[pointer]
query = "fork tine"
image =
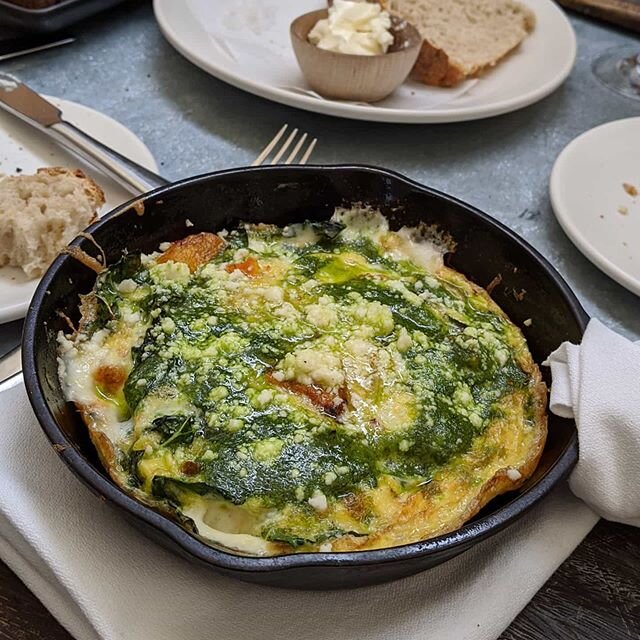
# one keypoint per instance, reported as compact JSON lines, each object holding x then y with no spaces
{"x":285,"y":146}
{"x":269,"y":148}
{"x":296,"y":149}
{"x":291,"y":158}
{"x":309,"y":151}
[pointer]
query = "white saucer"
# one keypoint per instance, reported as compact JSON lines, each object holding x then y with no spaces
{"x":590,"y":201}
{"x":23,"y":148}
{"x":246,"y":43}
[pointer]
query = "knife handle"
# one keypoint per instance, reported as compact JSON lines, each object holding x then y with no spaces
{"x":130,"y":175}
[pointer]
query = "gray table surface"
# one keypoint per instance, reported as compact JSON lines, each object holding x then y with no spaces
{"x":193,"y":123}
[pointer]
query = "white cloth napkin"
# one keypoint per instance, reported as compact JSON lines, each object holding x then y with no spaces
{"x":598,"y":384}
{"x":103,"y":580}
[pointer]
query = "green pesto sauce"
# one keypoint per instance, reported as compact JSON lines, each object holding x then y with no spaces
{"x":218,"y":359}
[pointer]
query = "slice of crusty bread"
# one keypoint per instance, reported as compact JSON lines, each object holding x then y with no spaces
{"x":41,"y":213}
{"x":462,"y":38}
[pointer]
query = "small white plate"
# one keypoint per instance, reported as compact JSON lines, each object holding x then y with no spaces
{"x":24,"y":148}
{"x":246,"y":43}
{"x":591,"y":203}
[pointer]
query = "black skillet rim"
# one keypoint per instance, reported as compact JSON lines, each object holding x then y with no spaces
{"x":468,"y":534}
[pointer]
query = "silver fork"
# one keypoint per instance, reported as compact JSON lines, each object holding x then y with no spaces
{"x":263,"y":158}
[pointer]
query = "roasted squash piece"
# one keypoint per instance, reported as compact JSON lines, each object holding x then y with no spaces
{"x":249,"y":267}
{"x":194,"y":250}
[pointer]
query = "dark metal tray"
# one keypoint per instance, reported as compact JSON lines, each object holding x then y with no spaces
{"x":50,"y":19}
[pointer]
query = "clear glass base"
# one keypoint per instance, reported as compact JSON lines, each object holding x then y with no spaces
{"x":618,"y":69}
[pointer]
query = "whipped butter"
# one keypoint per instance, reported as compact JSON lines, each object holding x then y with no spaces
{"x":357,"y":28}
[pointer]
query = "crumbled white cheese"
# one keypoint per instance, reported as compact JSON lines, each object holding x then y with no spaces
{"x":127,"y":286}
{"x":475,"y":420}
{"x":168,"y":325}
{"x":240,"y":254}
{"x":321,"y":316}
{"x":236,"y":275}
{"x":514,"y":475}
{"x":404,"y":341}
{"x":318,"y":501}
{"x":330,"y":477}
{"x":462,"y":396}
{"x":376,"y":315}
{"x":264,"y":397}
{"x":267,"y":450}
{"x":308,"y":285}
{"x":131,"y":317}
{"x":286,"y":310}
{"x":218,"y":393}
{"x":359,"y":348}
{"x":309,"y":366}
{"x":171,"y":271}
{"x":273,"y":294}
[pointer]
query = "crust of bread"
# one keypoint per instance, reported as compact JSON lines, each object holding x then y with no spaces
{"x":92,"y":189}
{"x":434,"y":67}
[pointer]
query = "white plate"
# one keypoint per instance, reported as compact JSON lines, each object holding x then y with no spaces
{"x":589,"y":199}
{"x":22,"y":147}
{"x":246,"y":43}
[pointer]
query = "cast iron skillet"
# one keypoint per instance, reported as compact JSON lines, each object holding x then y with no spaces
{"x":529,"y":288}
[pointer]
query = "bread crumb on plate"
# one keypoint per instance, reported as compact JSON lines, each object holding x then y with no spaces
{"x":41,"y":213}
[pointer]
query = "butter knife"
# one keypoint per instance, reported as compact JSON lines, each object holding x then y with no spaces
{"x":24,"y":103}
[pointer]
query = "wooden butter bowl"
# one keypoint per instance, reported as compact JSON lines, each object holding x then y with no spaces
{"x":357,"y":78}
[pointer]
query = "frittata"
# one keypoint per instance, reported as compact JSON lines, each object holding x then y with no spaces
{"x":322,"y":387}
